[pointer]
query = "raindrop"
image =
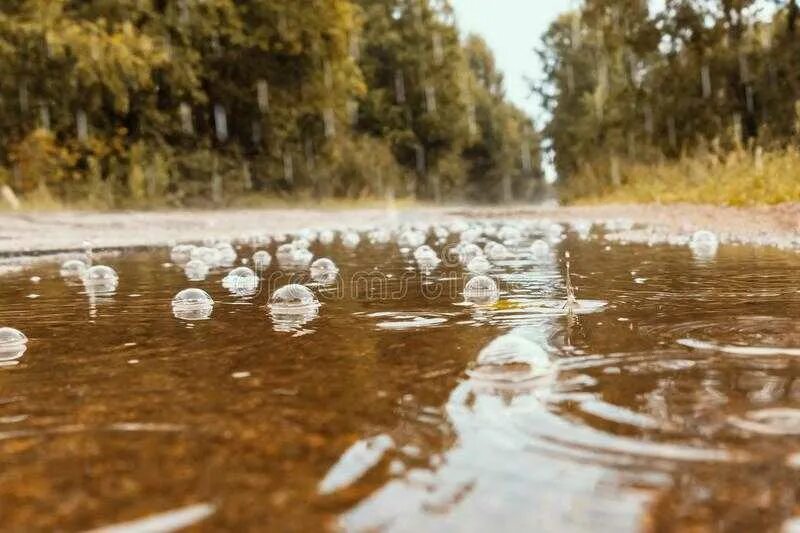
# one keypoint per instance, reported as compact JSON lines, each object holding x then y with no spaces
{"x":221,"y":123}
{"x":192,"y":304}
{"x":187,"y":121}
{"x":262,"y":260}
{"x":13,"y":344}
{"x":262,"y":93}
{"x":73,"y":268}
{"x":481,"y":290}
{"x":82,"y":125}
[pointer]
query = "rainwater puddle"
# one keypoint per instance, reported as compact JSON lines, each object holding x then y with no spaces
{"x":372,"y":395}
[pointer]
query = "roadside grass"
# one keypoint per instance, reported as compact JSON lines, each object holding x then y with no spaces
{"x":740,"y":178}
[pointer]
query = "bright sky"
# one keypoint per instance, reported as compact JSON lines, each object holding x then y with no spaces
{"x":513,"y":29}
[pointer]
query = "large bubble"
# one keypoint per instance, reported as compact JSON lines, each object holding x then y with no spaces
{"x":241,"y":281}
{"x":192,"y":304}
{"x":100,"y":279}
{"x":292,"y":298}
{"x":481,"y":290}
{"x":323,"y":270}
{"x":13,"y":344}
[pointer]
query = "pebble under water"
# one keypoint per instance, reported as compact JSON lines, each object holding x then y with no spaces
{"x":380,"y":396}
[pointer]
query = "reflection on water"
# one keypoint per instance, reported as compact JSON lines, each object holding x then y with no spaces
{"x":663,"y":397}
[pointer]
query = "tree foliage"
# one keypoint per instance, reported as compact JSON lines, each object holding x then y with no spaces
{"x":176,"y":100}
{"x":627,"y":83}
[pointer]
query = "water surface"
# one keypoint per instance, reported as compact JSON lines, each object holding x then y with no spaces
{"x":651,"y":412}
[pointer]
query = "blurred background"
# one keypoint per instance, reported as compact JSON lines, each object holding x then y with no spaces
{"x":184,"y":103}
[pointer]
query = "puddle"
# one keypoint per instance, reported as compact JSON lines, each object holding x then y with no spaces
{"x":661,"y":394}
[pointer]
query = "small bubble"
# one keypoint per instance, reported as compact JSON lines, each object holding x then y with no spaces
{"x":540,"y":250}
{"x":73,"y":268}
{"x":704,"y":244}
{"x":262,"y":260}
{"x":196,"y":270}
{"x":351,"y":239}
{"x":496,"y":251}
{"x":479,"y":265}
{"x":181,"y":253}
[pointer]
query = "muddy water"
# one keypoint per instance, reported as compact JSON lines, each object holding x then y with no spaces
{"x":652,"y":412}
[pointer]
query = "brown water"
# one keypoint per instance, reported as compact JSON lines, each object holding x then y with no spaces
{"x":373,"y":416}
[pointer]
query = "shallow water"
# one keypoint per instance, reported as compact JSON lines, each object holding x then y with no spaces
{"x":672,"y":406}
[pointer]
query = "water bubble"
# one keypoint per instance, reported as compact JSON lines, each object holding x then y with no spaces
{"x":379,"y":236}
{"x":207,"y":255}
{"x":101,"y":279}
{"x":300,"y":257}
{"x":227,"y":254}
{"x":471,"y":235}
{"x":241,"y":281}
{"x":704,"y":244}
{"x":511,"y":357}
{"x":540,"y":250}
{"x":284,"y":252}
{"x":351,"y":239}
{"x":583,"y":228}
{"x":196,"y":270}
{"x":441,"y":232}
{"x":411,"y":239}
{"x":496,"y":251}
{"x":262,"y":260}
{"x":509,"y":235}
{"x":468,"y":252}
{"x":479,"y":265}
{"x":292,"y":298}
{"x":481,"y":290}
{"x":292,"y":306}
{"x":424,"y":253}
{"x":301,"y":243}
{"x":181,"y":253}
{"x":192,"y":304}
{"x":326,"y":237}
{"x":73,"y":268}
{"x":555,"y":232}
{"x":323,"y":270}
{"x":13,"y":344}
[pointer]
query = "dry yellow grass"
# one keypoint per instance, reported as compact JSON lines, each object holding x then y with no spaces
{"x":741,"y":178}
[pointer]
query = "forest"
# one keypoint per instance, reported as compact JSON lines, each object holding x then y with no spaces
{"x":119,"y":103}
{"x":696,"y":100}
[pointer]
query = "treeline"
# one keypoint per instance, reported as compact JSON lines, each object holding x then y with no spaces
{"x":176,"y":101}
{"x":628,"y":86}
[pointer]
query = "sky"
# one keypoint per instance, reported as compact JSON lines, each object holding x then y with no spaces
{"x":513,"y":29}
